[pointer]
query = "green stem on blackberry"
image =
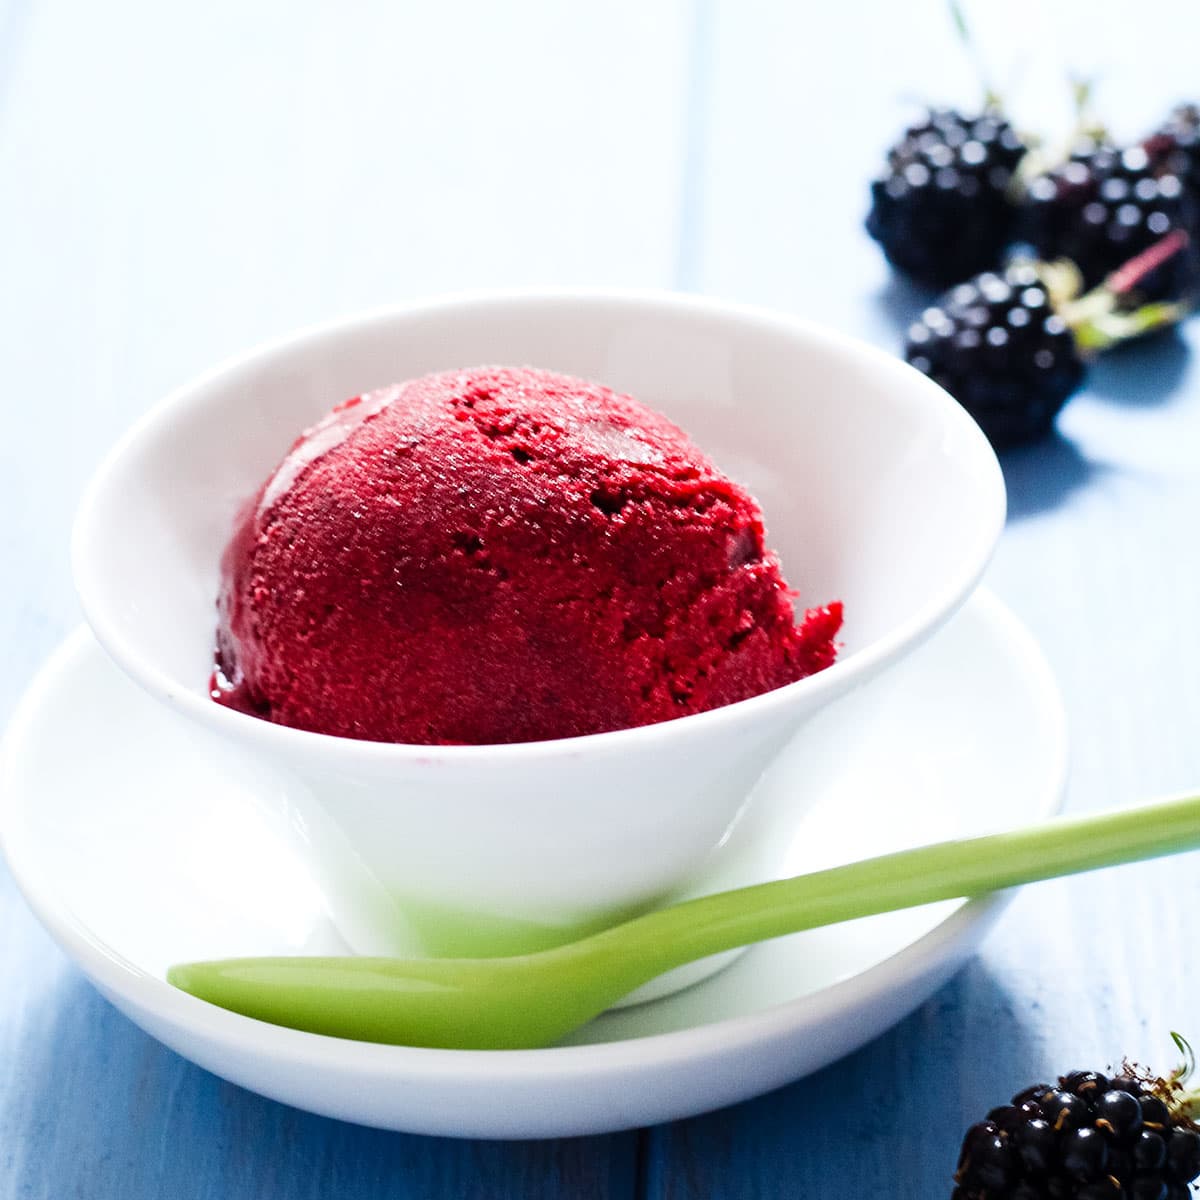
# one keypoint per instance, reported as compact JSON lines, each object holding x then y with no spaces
{"x":1063,"y":282}
{"x":1087,"y":124}
{"x":1182,"y":1103}
{"x":1185,"y":1105}
{"x":1045,"y":156}
{"x":1185,"y":1070}
{"x":958,"y":18}
{"x":1097,"y":318}
{"x":1081,"y":97}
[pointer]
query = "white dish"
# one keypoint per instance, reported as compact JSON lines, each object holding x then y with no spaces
{"x":139,"y":841}
{"x":878,"y":489}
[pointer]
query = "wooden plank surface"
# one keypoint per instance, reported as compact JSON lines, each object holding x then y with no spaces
{"x":175,"y":187}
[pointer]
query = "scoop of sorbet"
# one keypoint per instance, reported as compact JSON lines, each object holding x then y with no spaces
{"x":502,"y":555}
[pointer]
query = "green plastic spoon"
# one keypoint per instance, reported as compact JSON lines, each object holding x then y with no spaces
{"x":532,"y":1000}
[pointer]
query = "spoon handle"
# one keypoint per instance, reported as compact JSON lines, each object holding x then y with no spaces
{"x":944,"y":871}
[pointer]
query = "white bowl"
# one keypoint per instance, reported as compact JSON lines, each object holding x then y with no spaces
{"x":878,"y":490}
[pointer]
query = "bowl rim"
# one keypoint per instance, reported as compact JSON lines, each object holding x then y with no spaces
{"x":297,"y":743}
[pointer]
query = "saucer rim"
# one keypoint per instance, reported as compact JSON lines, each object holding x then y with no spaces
{"x":191,"y":1018}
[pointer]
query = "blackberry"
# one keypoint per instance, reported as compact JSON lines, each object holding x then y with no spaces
{"x":1088,"y":1084}
{"x":1127,"y":1138}
{"x":941,"y":210}
{"x":999,"y":348}
{"x":1010,"y":347}
{"x":1120,"y":1115}
{"x":1175,"y":147}
{"x":1103,"y":207}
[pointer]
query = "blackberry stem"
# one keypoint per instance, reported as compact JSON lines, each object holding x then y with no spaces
{"x":958,"y":18}
{"x":1046,"y":156}
{"x":1187,"y":1068}
{"x":1183,"y":1104}
{"x":1097,"y":319}
{"x":1087,"y":124}
{"x":1125,"y":278}
{"x":1186,"y":1105}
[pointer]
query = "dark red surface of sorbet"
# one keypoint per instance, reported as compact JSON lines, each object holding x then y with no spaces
{"x":502,"y":555}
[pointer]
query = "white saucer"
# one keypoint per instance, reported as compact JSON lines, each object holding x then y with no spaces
{"x":138,"y":843}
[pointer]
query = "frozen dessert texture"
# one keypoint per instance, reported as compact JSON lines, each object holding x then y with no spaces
{"x":502,"y":555}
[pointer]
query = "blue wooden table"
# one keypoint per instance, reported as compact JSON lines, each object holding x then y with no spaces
{"x":177,"y":184}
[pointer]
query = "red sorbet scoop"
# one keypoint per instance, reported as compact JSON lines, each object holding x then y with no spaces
{"x":502,"y":555}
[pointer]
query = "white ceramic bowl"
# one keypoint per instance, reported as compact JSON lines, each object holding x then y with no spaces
{"x":878,"y":490}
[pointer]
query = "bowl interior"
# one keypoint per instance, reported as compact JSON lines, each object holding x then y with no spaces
{"x":877,"y":488}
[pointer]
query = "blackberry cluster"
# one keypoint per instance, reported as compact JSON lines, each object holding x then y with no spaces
{"x":941,"y":211}
{"x":1103,"y":207}
{"x":1089,"y":1138}
{"x":997,"y":346}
